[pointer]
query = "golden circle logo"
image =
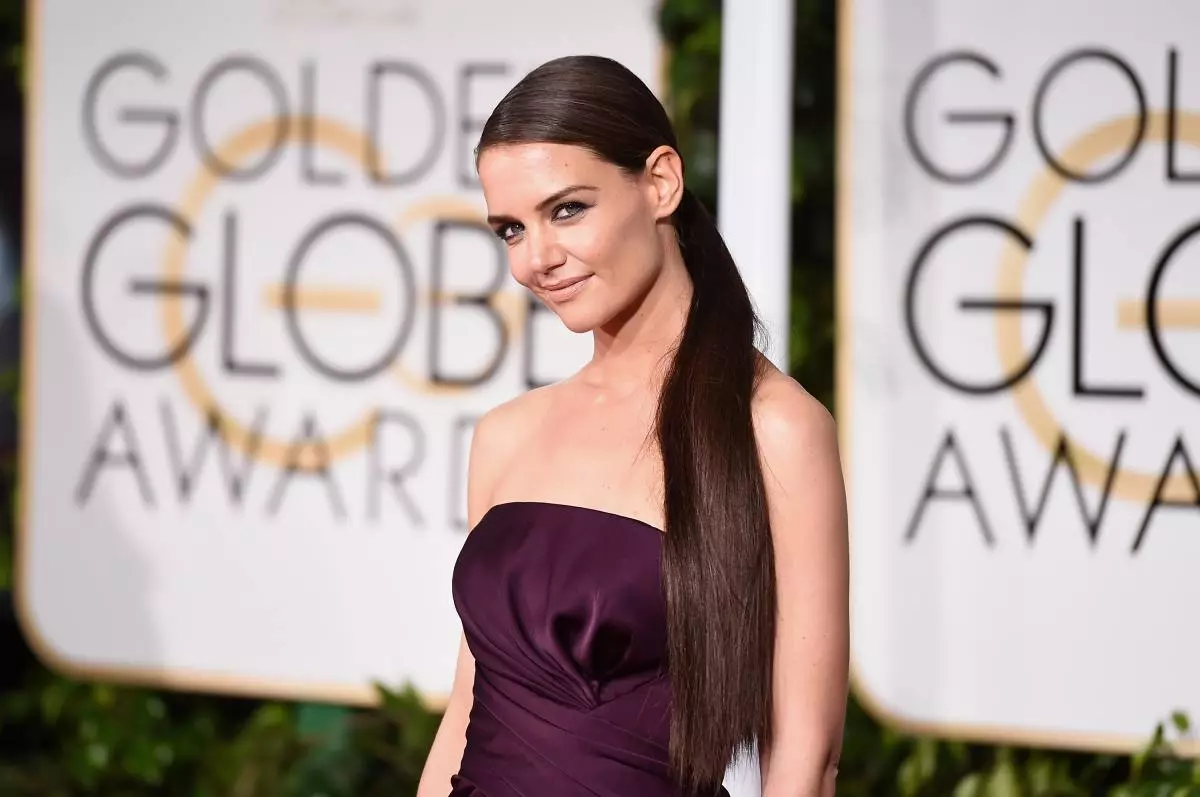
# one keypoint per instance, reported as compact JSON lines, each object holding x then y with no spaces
{"x":236,"y":151}
{"x":1087,"y":149}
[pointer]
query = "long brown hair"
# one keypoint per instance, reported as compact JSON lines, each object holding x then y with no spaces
{"x":718,"y":562}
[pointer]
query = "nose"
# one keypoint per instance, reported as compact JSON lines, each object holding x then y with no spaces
{"x":545,"y":253}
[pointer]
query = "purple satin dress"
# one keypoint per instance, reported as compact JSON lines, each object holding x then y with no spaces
{"x":562,"y":608}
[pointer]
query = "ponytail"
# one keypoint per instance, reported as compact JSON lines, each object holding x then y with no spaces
{"x":718,"y":565}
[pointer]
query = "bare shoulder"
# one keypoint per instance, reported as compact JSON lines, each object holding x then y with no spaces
{"x":498,"y":436}
{"x":790,"y":422}
{"x":509,"y":422}
{"x":802,"y":469}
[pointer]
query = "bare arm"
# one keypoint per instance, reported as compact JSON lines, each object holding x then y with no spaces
{"x":806,"y":496}
{"x":445,"y":755}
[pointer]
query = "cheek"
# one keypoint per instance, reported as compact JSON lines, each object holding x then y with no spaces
{"x":633,"y":256}
{"x":518,"y":265}
{"x":623,"y":249}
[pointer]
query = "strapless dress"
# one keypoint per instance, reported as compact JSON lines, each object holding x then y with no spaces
{"x":563,"y":610}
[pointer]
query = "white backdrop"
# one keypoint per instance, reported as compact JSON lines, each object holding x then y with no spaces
{"x":313,"y":552}
{"x":988,"y":208}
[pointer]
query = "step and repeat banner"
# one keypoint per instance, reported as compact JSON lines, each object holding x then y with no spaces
{"x":263,"y":316}
{"x":1019,"y":376}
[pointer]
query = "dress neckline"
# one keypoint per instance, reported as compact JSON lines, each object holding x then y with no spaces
{"x":576,"y":508}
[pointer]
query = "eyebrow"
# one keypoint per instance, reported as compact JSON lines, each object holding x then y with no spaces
{"x":557,"y":195}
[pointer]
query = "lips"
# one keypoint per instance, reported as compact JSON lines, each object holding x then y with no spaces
{"x":563,"y":284}
{"x":564,"y":290}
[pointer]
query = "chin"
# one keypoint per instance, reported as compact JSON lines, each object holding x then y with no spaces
{"x":578,"y":323}
{"x":580,"y":318}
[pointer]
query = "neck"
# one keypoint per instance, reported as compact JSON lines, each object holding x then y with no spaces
{"x":632,"y":351}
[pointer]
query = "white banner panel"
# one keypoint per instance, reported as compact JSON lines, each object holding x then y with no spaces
{"x":263,"y":218}
{"x":1020,"y":364}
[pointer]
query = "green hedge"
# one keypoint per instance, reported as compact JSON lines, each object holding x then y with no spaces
{"x":61,"y":737}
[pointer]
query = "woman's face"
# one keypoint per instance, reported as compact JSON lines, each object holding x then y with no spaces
{"x":581,"y":234}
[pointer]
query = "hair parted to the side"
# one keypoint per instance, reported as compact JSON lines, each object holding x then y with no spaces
{"x":718,"y":559}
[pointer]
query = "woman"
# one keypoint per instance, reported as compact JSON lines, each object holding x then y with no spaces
{"x":679,"y":499}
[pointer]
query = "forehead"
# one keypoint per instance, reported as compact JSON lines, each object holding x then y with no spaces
{"x":514,"y":176}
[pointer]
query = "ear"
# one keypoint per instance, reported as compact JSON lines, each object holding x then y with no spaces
{"x":664,"y":171}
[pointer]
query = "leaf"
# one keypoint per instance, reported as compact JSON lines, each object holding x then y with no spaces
{"x":970,"y":786}
{"x":1040,"y":776}
{"x":1003,"y":781}
{"x":908,"y":778}
{"x":1139,"y":759}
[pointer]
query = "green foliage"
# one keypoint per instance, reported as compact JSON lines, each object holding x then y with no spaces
{"x":811,"y":342}
{"x":62,"y":737}
{"x":692,"y":29}
{"x":882,"y":763}
{"x":12,"y":38}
